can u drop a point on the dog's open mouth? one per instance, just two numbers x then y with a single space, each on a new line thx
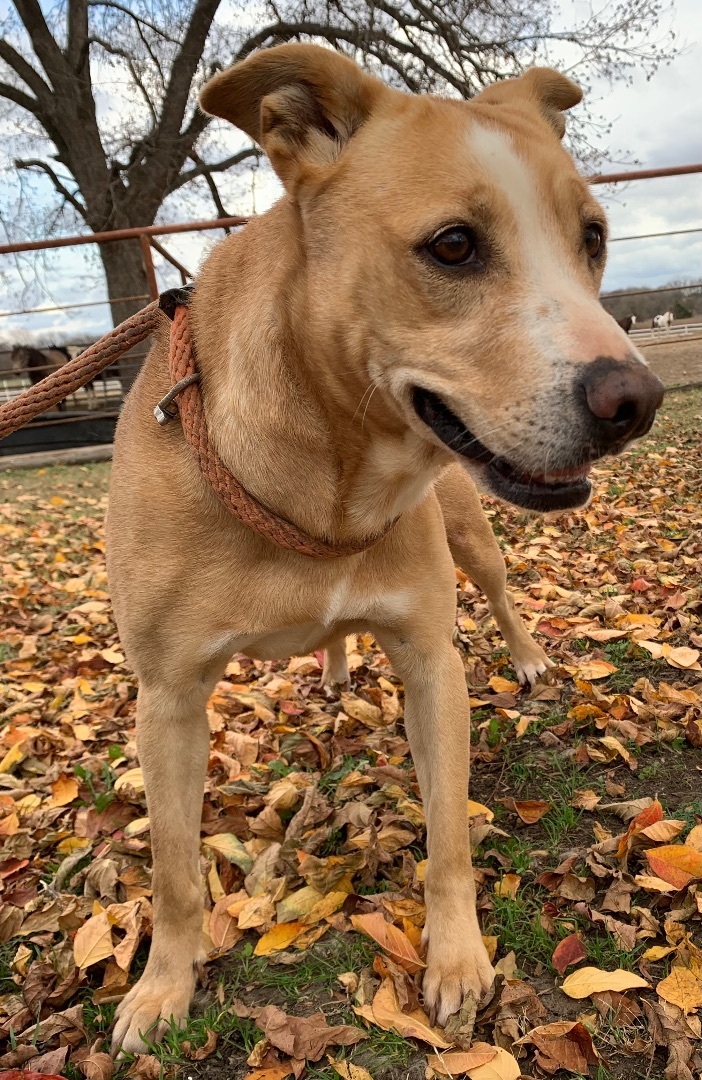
557 489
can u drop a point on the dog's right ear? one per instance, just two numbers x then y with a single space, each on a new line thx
301 103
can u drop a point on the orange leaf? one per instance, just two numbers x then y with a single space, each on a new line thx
528 810
63 791
394 941
459 1062
676 863
387 1014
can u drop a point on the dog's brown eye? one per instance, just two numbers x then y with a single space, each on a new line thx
594 240
453 247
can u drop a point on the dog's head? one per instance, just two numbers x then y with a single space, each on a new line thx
452 257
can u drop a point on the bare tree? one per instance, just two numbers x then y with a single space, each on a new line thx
103 91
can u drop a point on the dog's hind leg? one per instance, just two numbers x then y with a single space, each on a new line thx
173 745
336 666
475 550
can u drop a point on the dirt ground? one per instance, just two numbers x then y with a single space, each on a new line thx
677 363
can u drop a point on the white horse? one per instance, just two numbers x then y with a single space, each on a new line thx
664 321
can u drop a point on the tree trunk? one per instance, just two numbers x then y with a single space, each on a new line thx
124 270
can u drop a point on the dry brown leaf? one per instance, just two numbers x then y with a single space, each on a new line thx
304 1037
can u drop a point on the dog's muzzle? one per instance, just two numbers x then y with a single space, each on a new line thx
558 489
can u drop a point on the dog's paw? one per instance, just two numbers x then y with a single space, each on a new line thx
455 968
530 664
147 1012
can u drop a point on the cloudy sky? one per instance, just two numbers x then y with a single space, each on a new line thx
654 123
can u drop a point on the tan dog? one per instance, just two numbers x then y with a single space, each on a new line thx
425 293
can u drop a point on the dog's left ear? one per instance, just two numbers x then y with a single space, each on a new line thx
301 103
549 91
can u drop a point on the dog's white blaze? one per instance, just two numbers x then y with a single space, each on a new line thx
507 171
576 325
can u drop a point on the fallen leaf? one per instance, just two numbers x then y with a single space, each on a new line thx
507 885
568 951
348 1071
591 980
394 941
305 1037
504 1066
528 810
386 1013
460 1062
682 988
93 941
677 863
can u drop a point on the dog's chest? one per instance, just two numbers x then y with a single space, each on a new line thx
342 609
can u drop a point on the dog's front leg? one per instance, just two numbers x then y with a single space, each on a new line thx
173 744
437 721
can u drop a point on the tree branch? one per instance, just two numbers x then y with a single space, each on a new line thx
29 75
36 163
18 97
203 168
40 36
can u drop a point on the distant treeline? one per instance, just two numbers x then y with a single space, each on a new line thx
682 299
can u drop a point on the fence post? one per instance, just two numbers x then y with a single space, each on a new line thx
149 266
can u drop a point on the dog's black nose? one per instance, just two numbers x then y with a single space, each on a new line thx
622 397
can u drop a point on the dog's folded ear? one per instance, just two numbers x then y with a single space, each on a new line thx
547 90
301 103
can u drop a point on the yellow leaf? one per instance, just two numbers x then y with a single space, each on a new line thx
93 942
591 980
113 656
504 1066
458 1062
71 844
63 791
279 937
490 943
507 886
348 1071
681 988
614 744
13 757
231 847
475 809
362 710
657 952
502 686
